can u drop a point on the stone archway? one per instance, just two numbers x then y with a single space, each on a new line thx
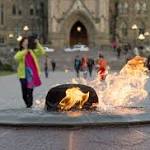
78 34
69 23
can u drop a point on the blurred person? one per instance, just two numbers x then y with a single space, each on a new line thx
148 63
77 65
90 66
84 66
28 67
114 45
46 67
102 70
53 63
118 51
136 51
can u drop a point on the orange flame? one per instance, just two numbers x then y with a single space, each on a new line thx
74 97
126 88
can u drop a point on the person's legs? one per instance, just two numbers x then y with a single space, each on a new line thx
53 67
29 97
46 73
77 72
24 90
102 73
90 71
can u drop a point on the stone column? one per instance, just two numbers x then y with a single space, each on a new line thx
49 20
97 7
102 36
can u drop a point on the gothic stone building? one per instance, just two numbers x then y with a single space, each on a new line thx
62 23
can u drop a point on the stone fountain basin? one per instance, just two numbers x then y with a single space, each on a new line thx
37 117
56 94
34 117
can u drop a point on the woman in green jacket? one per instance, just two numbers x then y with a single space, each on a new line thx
28 68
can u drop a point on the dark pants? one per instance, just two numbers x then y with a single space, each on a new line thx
90 71
77 69
27 93
53 66
46 72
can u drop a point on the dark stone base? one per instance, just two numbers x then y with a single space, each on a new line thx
56 94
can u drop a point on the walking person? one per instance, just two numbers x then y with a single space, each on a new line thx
102 70
46 67
118 51
53 63
84 65
114 45
77 65
28 68
148 63
90 66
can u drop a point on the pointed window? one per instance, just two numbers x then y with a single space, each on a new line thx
31 10
2 14
126 8
14 9
120 8
144 7
142 28
19 11
138 8
124 29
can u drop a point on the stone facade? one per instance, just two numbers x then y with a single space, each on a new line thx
129 13
55 21
15 14
94 15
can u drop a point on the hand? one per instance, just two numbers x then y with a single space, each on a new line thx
36 41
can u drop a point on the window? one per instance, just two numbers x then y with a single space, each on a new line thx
124 30
142 28
2 40
2 14
144 7
37 10
14 10
120 8
137 8
125 7
31 10
19 12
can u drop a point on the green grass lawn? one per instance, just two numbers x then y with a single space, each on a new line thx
5 73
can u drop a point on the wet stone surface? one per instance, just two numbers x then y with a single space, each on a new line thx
110 138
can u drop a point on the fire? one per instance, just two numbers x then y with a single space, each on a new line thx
125 88
74 97
128 86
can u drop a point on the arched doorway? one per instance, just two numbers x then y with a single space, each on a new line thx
78 34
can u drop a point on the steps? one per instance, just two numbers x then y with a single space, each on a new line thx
65 60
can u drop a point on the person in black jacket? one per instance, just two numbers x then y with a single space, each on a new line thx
90 66
77 65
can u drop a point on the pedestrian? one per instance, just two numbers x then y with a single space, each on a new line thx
84 66
136 51
118 51
90 66
148 63
77 65
102 70
114 45
126 49
28 68
53 63
46 67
